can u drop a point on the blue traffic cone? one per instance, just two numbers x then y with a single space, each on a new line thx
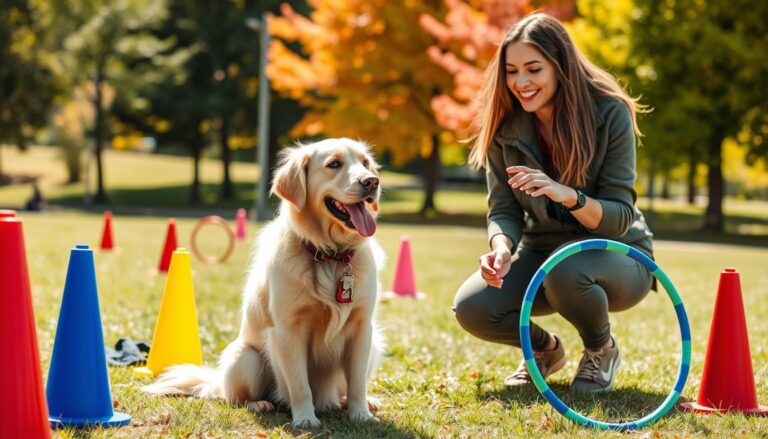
78 384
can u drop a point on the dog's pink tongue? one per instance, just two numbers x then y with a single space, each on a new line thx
361 219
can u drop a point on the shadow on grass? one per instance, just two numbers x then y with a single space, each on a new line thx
334 423
620 405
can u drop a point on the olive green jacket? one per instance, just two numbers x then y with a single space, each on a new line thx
542 225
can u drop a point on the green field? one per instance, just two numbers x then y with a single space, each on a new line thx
435 380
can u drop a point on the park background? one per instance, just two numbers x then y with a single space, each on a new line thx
151 109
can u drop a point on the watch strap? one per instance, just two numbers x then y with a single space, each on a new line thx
581 200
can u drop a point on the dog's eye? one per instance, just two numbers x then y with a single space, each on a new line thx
334 164
366 163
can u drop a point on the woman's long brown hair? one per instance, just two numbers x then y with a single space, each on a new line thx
573 118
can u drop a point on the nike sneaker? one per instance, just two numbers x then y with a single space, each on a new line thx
597 370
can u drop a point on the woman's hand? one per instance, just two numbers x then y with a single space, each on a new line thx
495 265
536 183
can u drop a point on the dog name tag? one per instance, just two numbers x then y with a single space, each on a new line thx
344 288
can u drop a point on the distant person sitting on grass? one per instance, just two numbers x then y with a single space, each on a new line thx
36 202
556 136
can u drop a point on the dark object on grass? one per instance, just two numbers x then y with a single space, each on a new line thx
36 203
127 353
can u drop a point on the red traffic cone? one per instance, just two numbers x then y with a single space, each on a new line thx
106 236
727 382
23 408
169 246
240 223
404 282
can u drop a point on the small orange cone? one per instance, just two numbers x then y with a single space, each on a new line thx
106 237
241 230
404 282
727 382
169 246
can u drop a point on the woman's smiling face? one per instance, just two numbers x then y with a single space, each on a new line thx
531 78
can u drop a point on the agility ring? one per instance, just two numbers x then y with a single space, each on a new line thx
525 333
221 222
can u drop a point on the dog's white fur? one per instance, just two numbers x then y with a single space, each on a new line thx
297 346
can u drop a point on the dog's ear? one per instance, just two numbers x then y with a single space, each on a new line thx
290 182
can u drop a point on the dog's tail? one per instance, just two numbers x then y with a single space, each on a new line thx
188 379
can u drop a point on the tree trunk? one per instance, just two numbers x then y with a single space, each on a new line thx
713 217
100 197
692 180
73 159
431 176
227 189
197 152
665 186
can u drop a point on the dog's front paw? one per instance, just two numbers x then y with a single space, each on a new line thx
306 422
362 416
373 403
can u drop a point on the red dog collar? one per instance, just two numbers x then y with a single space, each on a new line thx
320 255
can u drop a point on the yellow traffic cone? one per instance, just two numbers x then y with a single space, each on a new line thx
176 339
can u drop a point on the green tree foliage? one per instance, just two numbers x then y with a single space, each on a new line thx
174 105
210 83
601 31
27 81
94 39
230 53
702 66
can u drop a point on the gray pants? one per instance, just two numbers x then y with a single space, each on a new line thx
582 288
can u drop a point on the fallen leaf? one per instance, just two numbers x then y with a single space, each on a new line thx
546 424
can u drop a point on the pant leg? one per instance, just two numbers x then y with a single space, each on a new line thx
585 286
493 314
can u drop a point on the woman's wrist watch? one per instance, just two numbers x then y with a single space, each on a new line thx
581 200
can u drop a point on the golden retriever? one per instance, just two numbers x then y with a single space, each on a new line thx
308 339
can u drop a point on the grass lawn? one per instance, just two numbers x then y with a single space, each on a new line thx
436 380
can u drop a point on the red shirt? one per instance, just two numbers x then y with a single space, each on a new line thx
549 162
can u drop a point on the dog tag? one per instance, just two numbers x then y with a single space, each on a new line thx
344 288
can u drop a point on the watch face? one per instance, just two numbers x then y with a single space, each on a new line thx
581 200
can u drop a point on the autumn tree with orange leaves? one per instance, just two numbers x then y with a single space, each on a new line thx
363 71
466 42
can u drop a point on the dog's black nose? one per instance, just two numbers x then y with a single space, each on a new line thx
370 182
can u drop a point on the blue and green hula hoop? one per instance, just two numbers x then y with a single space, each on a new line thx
525 333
